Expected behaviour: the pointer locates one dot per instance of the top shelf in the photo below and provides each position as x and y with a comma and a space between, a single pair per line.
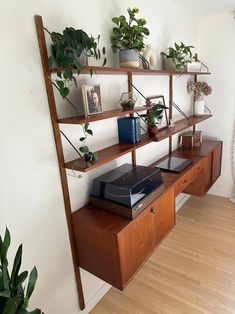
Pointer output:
136, 71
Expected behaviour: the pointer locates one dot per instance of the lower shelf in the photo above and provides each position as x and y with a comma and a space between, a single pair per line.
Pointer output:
107, 154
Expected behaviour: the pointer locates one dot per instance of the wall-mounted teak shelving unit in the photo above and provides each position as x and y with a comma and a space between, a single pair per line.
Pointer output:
109, 153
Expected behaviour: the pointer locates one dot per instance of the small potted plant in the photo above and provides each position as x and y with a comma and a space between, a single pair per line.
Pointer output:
88, 156
14, 297
127, 100
127, 37
177, 58
67, 50
153, 117
200, 90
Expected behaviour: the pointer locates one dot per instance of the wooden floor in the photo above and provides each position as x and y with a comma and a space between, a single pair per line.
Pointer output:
192, 271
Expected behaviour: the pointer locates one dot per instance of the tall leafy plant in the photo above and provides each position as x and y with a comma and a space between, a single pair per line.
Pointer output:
129, 34
14, 297
67, 49
154, 115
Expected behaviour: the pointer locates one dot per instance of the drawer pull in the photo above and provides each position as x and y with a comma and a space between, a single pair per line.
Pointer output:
153, 210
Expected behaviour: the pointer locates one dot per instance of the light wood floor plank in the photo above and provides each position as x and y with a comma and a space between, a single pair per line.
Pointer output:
191, 272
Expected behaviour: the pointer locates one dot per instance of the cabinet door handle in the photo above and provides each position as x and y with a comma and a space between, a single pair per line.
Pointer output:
153, 210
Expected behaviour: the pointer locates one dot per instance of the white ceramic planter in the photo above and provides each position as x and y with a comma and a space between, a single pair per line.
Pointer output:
199, 107
129, 58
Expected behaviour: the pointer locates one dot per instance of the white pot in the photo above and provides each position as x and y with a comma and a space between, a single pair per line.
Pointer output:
199, 107
129, 58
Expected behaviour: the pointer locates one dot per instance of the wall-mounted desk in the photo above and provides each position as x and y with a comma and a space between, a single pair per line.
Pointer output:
114, 248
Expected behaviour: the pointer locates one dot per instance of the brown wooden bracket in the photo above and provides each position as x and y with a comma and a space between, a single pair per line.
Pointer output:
60, 154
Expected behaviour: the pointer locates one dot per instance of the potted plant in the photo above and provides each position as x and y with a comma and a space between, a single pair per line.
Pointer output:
153, 117
200, 89
14, 297
67, 49
127, 37
88, 156
177, 58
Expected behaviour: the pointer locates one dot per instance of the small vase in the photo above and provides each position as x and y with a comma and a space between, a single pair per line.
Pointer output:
199, 107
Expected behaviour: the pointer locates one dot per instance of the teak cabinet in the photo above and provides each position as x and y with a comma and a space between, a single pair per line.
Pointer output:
114, 248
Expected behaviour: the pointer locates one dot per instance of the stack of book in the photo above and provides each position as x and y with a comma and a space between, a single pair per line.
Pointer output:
129, 130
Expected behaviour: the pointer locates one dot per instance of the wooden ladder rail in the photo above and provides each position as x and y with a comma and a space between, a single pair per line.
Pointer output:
60, 154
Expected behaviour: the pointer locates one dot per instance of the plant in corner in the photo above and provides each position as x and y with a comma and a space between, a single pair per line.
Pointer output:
153, 117
14, 298
177, 58
127, 37
67, 48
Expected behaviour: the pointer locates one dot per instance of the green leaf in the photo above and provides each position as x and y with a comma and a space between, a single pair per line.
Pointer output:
82, 139
60, 84
5, 293
5, 246
89, 132
16, 266
59, 74
68, 73
84, 149
11, 305
5, 277
64, 92
32, 282
95, 156
21, 278
86, 126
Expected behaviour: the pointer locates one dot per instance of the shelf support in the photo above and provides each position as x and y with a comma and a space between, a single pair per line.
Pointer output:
170, 108
195, 81
60, 154
130, 89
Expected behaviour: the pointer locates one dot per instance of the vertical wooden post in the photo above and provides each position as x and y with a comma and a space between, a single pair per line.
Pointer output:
130, 89
170, 108
60, 154
195, 81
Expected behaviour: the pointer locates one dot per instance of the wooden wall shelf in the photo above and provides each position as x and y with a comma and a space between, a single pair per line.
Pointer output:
123, 71
108, 154
105, 115
180, 125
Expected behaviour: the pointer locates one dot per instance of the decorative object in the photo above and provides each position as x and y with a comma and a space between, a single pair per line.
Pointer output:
191, 139
127, 37
129, 130
91, 99
200, 89
127, 100
150, 56
88, 156
67, 50
155, 115
14, 297
177, 58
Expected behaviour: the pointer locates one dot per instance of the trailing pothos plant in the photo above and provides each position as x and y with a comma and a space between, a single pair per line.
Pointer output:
67, 48
84, 149
129, 34
181, 55
14, 297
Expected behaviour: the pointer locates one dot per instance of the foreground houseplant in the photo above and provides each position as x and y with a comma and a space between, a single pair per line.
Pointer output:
67, 50
177, 57
200, 90
127, 37
14, 298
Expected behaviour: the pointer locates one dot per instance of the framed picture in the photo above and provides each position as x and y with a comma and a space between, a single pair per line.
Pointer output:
91, 99
162, 120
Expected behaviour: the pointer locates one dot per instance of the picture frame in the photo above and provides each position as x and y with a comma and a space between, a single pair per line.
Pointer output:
91, 95
153, 100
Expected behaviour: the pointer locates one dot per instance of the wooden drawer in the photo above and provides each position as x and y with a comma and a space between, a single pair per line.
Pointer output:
197, 169
183, 182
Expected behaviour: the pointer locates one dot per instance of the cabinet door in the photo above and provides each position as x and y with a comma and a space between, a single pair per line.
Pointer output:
163, 216
138, 240
216, 162
135, 243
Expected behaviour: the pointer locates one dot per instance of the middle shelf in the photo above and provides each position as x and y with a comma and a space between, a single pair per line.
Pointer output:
112, 152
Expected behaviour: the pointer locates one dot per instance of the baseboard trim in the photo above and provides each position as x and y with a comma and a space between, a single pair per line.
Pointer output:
91, 303
182, 199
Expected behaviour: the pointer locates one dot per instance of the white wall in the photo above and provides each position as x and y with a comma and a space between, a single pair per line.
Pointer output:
31, 202
217, 46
